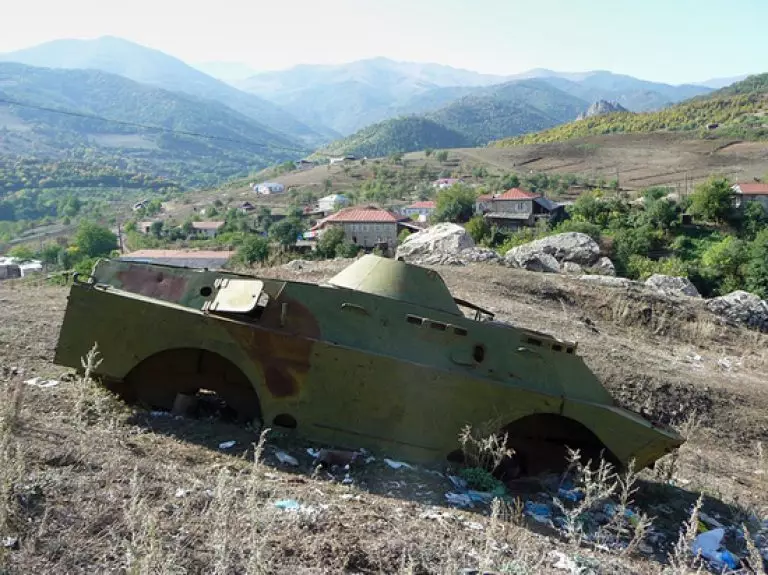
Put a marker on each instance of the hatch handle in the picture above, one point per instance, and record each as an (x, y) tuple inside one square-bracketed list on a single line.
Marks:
[(354, 308)]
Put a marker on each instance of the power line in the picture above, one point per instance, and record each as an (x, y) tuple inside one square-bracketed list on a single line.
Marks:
[(148, 127)]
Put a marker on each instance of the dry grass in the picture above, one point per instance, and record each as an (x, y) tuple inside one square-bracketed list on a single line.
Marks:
[(90, 486)]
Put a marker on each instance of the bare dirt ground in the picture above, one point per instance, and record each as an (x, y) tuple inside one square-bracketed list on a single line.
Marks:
[(90, 486)]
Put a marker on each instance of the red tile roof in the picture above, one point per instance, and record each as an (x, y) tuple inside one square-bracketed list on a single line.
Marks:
[(485, 198), (754, 188), (516, 194), (358, 214), (419, 205)]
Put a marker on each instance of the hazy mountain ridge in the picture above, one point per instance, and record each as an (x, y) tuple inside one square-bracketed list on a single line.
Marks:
[(235, 143), (149, 66)]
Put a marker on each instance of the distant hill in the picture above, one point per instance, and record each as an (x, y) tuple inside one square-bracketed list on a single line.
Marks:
[(602, 107), (148, 66), (739, 110), (350, 96), (509, 109), (397, 135), (238, 144), (487, 114)]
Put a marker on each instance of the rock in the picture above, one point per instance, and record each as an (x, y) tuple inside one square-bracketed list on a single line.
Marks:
[(532, 261), (296, 265), (478, 254), (601, 107), (445, 238), (611, 281), (572, 268), (741, 307), (439, 259), (604, 267), (672, 285), (568, 247)]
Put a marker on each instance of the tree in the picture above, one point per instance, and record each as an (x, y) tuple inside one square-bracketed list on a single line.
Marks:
[(756, 271), (723, 263), (478, 228), (253, 249), (455, 204), (21, 252), (428, 152), (156, 228), (442, 156), (329, 241), (712, 200), (286, 231), (755, 218), (93, 240), (661, 214)]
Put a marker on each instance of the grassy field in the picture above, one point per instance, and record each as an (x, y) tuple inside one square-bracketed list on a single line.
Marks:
[(90, 486)]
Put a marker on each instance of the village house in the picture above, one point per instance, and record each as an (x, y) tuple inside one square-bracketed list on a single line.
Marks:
[(145, 227), (750, 192), (331, 203), (342, 160), (208, 229), (443, 183), (246, 207), (421, 209), (266, 188), (516, 208), (304, 165), (181, 258), (367, 227)]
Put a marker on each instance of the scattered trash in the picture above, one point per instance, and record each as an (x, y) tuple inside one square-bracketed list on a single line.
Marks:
[(40, 382), (181, 492), (397, 464), (474, 525), (287, 504), (336, 457), (572, 495), (227, 445), (563, 562), (460, 499), (283, 457), (10, 543), (708, 544), (710, 521), (724, 363), (313, 452), (159, 413), (349, 496), (347, 479), (458, 482), (539, 512)]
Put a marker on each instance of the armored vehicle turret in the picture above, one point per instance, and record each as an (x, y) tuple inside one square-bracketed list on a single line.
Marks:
[(381, 356)]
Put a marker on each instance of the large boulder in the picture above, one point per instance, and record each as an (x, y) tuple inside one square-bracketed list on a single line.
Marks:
[(532, 261), (568, 247), (741, 307), (604, 267), (477, 254), (608, 281), (672, 285), (443, 238)]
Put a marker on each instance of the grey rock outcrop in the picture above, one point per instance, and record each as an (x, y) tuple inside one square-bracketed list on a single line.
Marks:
[(741, 307), (610, 281), (572, 247), (672, 285), (572, 268), (600, 108), (443, 238), (604, 267), (478, 254)]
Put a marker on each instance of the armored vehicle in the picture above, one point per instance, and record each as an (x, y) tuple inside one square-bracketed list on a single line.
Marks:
[(381, 357)]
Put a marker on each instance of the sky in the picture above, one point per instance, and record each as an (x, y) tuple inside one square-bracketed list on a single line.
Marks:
[(672, 41)]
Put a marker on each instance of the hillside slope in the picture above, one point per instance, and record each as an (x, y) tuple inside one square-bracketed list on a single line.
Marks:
[(509, 109), (737, 111), (235, 143), (148, 66), (397, 135)]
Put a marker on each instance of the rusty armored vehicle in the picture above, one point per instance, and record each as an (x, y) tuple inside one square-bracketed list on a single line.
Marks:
[(381, 356)]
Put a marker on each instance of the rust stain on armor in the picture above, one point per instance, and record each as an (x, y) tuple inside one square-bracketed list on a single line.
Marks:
[(154, 284), (283, 351)]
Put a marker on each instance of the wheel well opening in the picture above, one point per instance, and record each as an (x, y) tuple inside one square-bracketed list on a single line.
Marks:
[(541, 442), (285, 420), (158, 379)]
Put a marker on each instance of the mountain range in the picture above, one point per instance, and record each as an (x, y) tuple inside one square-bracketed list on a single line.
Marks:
[(299, 109)]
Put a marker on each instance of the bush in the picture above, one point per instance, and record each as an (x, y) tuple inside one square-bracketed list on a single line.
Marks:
[(588, 228), (641, 267), (253, 249), (347, 250)]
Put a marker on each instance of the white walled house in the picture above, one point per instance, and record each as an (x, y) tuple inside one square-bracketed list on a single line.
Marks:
[(266, 188), (330, 203), (750, 192)]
